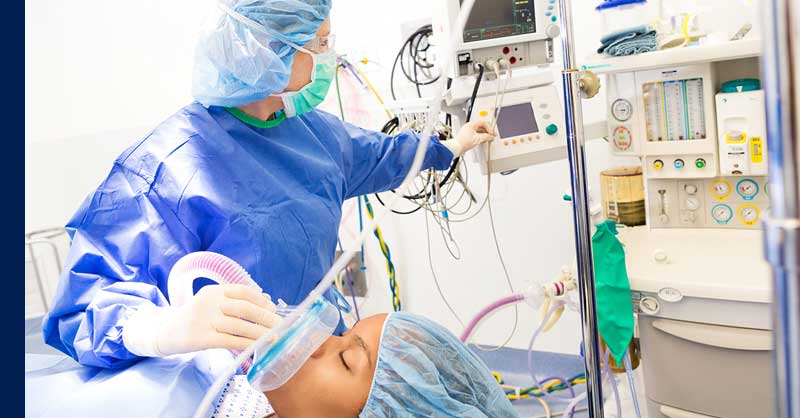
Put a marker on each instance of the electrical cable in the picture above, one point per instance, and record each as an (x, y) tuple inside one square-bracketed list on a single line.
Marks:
[(546, 407), (350, 284), (556, 384), (498, 104), (389, 128), (363, 78), (361, 231), (421, 198), (411, 47), (474, 96), (338, 92), (394, 287), (347, 269), (435, 278)]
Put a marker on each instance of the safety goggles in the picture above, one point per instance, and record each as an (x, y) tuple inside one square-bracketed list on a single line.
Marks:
[(321, 44)]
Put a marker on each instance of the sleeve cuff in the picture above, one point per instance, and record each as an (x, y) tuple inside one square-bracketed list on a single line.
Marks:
[(454, 147), (140, 333)]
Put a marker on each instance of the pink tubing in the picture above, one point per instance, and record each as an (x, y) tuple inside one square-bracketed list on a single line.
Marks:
[(207, 264), (214, 266), (509, 300)]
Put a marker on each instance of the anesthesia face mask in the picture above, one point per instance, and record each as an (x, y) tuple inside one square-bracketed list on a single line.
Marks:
[(277, 362)]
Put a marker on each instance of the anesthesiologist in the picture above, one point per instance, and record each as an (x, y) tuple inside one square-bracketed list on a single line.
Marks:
[(251, 170)]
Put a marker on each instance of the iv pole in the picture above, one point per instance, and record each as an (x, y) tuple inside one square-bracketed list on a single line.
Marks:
[(573, 118), (781, 75)]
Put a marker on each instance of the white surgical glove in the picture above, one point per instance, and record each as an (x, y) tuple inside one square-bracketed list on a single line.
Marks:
[(470, 136), (230, 316)]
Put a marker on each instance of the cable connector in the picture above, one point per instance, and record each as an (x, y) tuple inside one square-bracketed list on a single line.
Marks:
[(492, 65)]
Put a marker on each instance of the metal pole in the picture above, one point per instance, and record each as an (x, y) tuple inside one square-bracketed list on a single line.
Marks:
[(781, 76), (38, 274), (573, 119)]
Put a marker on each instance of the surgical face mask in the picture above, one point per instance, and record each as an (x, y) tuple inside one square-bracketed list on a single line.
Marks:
[(296, 103), (276, 363)]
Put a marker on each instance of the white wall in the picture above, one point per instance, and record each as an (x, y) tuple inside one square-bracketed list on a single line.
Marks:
[(100, 74)]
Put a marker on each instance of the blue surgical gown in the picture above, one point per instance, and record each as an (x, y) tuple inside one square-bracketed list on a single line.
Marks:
[(269, 198)]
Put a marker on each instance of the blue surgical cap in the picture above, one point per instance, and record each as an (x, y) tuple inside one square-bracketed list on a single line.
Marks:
[(244, 57), (423, 370)]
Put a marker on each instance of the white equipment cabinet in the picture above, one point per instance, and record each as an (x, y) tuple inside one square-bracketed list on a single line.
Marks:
[(700, 285), (703, 302)]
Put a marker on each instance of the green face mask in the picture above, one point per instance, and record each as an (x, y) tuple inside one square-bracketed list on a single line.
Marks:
[(614, 306), (309, 97)]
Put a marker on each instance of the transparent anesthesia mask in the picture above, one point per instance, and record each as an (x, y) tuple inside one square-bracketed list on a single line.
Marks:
[(276, 363)]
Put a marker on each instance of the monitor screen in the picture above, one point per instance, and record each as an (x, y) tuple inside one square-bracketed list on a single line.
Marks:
[(492, 19), (516, 120)]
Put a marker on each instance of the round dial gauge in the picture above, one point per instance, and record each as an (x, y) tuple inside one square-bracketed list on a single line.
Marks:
[(749, 214), (622, 138), (621, 110), (747, 189), (721, 189), (722, 214)]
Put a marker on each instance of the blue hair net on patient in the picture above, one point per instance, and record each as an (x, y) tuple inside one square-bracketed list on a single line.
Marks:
[(423, 370), (236, 63)]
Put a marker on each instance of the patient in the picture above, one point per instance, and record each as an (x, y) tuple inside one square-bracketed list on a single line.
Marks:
[(396, 365)]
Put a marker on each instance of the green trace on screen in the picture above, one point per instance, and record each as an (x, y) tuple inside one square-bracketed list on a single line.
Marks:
[(488, 20)]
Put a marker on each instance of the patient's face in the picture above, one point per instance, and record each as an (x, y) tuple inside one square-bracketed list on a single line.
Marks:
[(335, 381)]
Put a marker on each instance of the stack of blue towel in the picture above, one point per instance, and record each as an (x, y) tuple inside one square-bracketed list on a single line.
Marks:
[(629, 41)]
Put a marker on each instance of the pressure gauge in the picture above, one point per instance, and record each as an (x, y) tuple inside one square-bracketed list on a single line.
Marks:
[(621, 110), (721, 189), (749, 214), (747, 189), (622, 138), (722, 214)]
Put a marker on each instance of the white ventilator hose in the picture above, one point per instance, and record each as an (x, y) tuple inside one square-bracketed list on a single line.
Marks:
[(276, 333)]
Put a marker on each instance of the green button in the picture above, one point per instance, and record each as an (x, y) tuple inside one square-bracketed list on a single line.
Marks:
[(553, 18), (700, 163), (551, 129)]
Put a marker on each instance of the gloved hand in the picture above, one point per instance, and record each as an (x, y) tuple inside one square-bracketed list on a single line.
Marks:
[(230, 316), (470, 136)]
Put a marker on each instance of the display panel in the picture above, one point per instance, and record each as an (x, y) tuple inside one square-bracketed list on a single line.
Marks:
[(516, 120), (491, 19), (675, 110)]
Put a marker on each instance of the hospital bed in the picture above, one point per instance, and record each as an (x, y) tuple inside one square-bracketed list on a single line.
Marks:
[(57, 386)]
